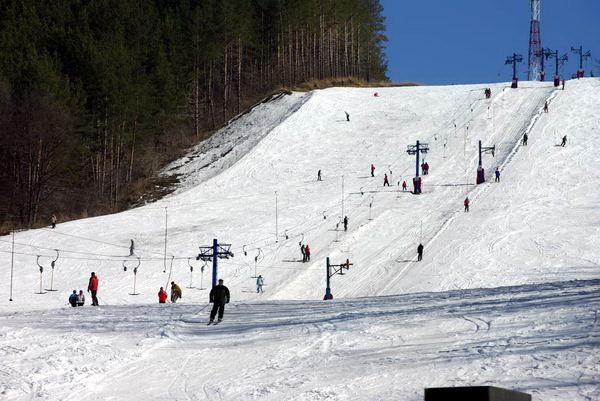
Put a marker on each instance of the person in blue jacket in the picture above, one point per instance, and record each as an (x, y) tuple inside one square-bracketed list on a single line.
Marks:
[(73, 299), (497, 173)]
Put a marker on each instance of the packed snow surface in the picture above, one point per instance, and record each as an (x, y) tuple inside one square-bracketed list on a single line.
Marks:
[(506, 294)]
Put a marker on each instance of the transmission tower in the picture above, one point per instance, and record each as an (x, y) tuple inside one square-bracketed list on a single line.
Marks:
[(535, 42)]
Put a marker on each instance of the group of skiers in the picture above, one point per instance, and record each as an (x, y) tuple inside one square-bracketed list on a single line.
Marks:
[(79, 299), (305, 250), (425, 168)]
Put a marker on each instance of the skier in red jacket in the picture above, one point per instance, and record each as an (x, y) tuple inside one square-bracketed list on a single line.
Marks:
[(467, 202), (93, 288), (307, 252), (162, 296), (404, 185)]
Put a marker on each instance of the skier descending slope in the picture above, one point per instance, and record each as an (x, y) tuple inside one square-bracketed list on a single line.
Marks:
[(219, 296)]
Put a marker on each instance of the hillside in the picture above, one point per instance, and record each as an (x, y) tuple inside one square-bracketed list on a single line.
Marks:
[(495, 298)]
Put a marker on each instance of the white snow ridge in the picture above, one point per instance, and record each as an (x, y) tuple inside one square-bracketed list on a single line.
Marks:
[(507, 294)]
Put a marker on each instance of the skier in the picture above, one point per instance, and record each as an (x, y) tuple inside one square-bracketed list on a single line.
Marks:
[(219, 296), (372, 170), (524, 139), (319, 176), (467, 202), (73, 299), (564, 141), (80, 298), (307, 253), (303, 250), (426, 165), (53, 221), (546, 107), (420, 252), (423, 168), (345, 223), (385, 180), (259, 284), (131, 248), (497, 173), (162, 296), (347, 116), (404, 185), (175, 292), (93, 288), (563, 84)]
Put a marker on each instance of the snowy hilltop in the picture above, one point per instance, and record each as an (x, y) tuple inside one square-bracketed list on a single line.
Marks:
[(505, 294)]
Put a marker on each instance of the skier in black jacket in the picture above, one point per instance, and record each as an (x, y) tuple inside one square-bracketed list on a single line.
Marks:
[(420, 252), (219, 296)]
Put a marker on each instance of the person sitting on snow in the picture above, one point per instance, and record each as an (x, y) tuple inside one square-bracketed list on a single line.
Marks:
[(73, 299)]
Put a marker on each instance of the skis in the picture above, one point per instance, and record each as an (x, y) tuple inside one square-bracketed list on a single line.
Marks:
[(213, 322)]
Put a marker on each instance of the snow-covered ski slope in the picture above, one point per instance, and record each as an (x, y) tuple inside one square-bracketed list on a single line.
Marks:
[(493, 302), (538, 224)]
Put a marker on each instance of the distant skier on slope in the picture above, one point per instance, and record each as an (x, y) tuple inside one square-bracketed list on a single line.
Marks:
[(525, 139), (175, 292), (303, 250), (307, 252), (219, 296), (497, 174), (319, 176), (131, 247), (345, 223), (93, 288), (466, 203), (385, 180), (53, 220), (426, 167), (563, 84), (420, 252), (564, 141), (404, 186), (259, 284), (347, 116), (546, 107), (162, 296), (372, 170)]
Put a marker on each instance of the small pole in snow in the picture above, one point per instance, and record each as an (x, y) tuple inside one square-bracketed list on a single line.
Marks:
[(12, 264), (165, 253), (276, 220)]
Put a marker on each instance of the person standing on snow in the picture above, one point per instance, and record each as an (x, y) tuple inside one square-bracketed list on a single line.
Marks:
[(175, 292), (162, 296), (404, 185), (219, 296), (420, 252), (303, 250), (546, 107), (53, 220), (131, 247), (345, 223), (564, 141), (385, 180), (93, 288), (347, 116), (497, 173), (73, 299), (525, 137), (466, 203), (307, 253), (426, 168), (80, 298), (259, 284), (319, 176), (372, 170), (563, 84)]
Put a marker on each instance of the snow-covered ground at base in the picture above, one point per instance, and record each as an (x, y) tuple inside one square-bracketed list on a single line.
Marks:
[(540, 224), (540, 339)]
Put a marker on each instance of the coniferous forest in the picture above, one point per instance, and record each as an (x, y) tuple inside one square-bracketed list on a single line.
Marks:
[(97, 95)]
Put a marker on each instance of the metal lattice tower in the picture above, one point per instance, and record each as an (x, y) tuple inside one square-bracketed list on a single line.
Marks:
[(535, 42)]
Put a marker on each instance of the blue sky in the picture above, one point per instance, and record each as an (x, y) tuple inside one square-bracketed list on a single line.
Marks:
[(467, 41)]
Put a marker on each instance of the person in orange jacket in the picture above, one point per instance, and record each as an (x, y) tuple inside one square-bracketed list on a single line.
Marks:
[(162, 296)]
